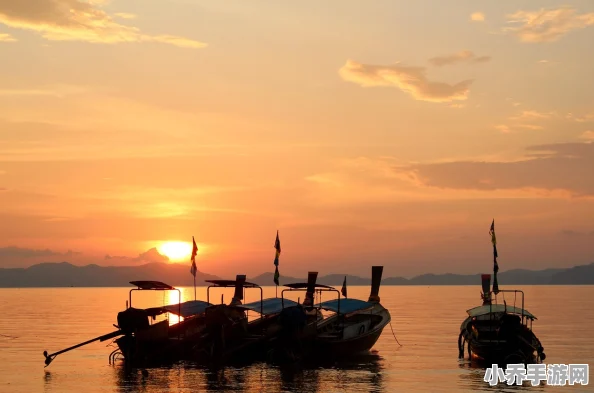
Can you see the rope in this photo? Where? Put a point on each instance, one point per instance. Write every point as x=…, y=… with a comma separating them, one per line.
x=394, y=334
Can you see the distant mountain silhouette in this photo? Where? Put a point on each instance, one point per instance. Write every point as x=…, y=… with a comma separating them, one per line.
x=331, y=279
x=67, y=275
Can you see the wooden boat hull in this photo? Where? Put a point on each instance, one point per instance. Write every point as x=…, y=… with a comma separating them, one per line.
x=351, y=347
x=490, y=346
x=330, y=339
x=502, y=354
x=212, y=339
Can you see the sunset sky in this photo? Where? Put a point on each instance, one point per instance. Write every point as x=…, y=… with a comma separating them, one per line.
x=386, y=132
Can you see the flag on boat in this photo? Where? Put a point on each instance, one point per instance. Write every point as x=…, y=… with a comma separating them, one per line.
x=495, y=265
x=277, y=246
x=344, y=289
x=194, y=269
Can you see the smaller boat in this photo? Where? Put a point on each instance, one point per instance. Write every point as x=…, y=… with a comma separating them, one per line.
x=499, y=333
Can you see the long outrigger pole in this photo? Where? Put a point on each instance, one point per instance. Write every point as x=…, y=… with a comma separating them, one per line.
x=51, y=357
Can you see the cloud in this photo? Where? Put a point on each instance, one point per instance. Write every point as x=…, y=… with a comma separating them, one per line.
x=58, y=91
x=547, y=25
x=586, y=118
x=21, y=257
x=464, y=56
x=149, y=256
x=588, y=135
x=573, y=233
x=410, y=79
x=76, y=20
x=4, y=37
x=524, y=115
x=506, y=129
x=503, y=128
x=525, y=120
x=556, y=167
x=18, y=252
x=477, y=17
x=125, y=15
x=530, y=126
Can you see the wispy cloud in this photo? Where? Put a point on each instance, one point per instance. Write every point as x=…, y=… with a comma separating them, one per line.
x=584, y=118
x=525, y=121
x=4, y=37
x=76, y=20
x=556, y=167
x=150, y=256
x=12, y=256
x=477, y=17
x=530, y=126
x=18, y=252
x=465, y=56
x=58, y=91
x=502, y=128
x=589, y=135
x=125, y=15
x=532, y=115
x=547, y=25
x=410, y=79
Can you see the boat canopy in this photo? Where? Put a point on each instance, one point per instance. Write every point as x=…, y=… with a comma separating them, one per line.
x=154, y=285
x=300, y=285
x=496, y=308
x=269, y=306
x=346, y=305
x=231, y=283
x=187, y=309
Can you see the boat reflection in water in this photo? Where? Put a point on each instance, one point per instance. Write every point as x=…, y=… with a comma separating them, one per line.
x=362, y=373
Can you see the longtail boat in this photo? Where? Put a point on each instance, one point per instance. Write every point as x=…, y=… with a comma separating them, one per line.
x=139, y=340
x=206, y=332
x=352, y=327
x=498, y=333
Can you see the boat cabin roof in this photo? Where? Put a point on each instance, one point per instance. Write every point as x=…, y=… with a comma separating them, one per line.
x=185, y=309
x=300, y=285
x=231, y=283
x=154, y=285
x=497, y=308
x=270, y=306
x=347, y=306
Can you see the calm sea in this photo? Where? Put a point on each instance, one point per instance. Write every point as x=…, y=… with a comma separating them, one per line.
x=425, y=320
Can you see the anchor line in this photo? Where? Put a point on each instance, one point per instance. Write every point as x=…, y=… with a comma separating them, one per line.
x=394, y=334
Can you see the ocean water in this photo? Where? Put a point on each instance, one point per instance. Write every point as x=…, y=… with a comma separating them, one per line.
x=425, y=320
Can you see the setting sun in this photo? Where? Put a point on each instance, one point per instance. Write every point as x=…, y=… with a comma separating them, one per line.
x=176, y=251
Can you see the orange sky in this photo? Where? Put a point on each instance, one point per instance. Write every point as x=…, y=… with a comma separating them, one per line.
x=389, y=132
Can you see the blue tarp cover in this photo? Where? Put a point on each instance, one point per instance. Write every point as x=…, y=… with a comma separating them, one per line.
x=270, y=306
x=189, y=308
x=494, y=308
x=346, y=305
